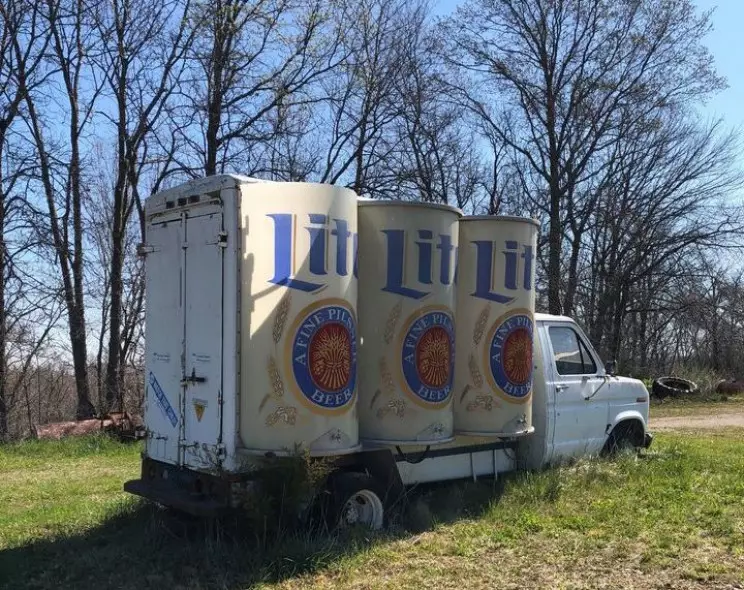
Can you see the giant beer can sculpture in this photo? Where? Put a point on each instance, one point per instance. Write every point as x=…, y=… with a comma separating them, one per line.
x=495, y=320
x=407, y=254
x=299, y=327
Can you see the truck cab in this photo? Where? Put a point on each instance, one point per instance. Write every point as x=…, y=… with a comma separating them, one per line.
x=579, y=407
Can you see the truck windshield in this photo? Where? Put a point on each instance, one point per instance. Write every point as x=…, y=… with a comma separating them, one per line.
x=570, y=354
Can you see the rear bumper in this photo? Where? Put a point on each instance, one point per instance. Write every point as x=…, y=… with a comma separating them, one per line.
x=196, y=493
x=648, y=438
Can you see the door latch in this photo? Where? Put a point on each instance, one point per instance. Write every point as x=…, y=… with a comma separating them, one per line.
x=193, y=378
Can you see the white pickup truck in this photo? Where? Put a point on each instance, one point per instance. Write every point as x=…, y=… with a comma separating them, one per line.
x=580, y=407
x=251, y=301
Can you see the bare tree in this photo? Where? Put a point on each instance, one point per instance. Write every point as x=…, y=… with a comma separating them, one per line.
x=553, y=78
x=60, y=168
x=18, y=20
x=666, y=201
x=142, y=58
x=357, y=141
x=249, y=59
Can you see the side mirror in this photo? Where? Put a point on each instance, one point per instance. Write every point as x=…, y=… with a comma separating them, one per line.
x=610, y=367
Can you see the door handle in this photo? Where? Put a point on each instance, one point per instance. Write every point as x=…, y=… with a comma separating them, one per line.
x=193, y=378
x=561, y=387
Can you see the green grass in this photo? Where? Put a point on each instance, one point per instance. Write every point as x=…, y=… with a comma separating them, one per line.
x=671, y=518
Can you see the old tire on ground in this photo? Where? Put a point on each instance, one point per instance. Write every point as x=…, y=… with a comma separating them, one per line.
x=354, y=499
x=672, y=387
x=626, y=436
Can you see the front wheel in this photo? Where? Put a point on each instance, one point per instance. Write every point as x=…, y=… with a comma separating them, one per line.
x=355, y=499
x=625, y=437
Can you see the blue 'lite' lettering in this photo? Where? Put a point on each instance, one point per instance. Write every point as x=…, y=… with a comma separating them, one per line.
x=484, y=273
x=283, y=255
x=355, y=247
x=317, y=244
x=424, y=250
x=342, y=237
x=445, y=247
x=528, y=257
x=510, y=266
x=396, y=242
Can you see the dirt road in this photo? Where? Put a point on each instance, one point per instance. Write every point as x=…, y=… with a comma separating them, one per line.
x=710, y=420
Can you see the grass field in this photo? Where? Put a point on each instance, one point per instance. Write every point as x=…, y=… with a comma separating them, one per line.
x=673, y=518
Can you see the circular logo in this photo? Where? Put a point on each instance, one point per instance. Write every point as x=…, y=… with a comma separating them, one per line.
x=510, y=355
x=324, y=354
x=428, y=356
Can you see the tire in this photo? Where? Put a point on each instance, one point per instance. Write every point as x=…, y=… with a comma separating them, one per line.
x=625, y=437
x=354, y=499
x=673, y=387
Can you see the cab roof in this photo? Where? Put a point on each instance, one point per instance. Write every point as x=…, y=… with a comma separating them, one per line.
x=548, y=317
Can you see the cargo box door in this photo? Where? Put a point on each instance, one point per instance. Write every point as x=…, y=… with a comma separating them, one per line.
x=202, y=380
x=164, y=342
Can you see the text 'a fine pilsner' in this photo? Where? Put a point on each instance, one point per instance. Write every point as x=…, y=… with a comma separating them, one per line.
x=406, y=301
x=495, y=323
x=299, y=337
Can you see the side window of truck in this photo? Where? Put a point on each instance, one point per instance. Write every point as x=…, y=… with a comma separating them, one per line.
x=570, y=354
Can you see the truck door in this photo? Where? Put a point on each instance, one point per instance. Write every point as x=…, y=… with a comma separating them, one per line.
x=201, y=381
x=579, y=408
x=163, y=345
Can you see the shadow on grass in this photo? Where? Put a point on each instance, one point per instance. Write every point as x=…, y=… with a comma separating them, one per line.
x=145, y=546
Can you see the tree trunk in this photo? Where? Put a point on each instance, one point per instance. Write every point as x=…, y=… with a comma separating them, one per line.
x=215, y=95
x=3, y=376
x=114, y=346
x=573, y=279
x=554, y=251
x=78, y=336
x=113, y=385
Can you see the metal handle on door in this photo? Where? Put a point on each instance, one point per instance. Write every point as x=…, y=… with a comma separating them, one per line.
x=193, y=378
x=561, y=387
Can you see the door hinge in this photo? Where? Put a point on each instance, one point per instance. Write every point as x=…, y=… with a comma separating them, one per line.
x=222, y=239
x=144, y=249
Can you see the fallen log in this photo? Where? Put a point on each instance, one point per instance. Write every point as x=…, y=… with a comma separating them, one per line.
x=116, y=422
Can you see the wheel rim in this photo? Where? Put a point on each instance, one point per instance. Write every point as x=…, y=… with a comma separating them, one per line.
x=363, y=508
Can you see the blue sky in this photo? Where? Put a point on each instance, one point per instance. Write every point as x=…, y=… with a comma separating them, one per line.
x=726, y=43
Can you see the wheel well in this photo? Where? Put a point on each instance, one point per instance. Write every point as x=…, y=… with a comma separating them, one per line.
x=380, y=465
x=630, y=429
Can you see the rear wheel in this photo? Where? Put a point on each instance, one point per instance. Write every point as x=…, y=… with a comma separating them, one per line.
x=355, y=499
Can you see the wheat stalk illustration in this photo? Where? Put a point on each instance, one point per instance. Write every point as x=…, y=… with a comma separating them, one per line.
x=386, y=375
x=475, y=373
x=391, y=322
x=464, y=392
x=280, y=316
x=275, y=377
x=262, y=405
x=480, y=324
